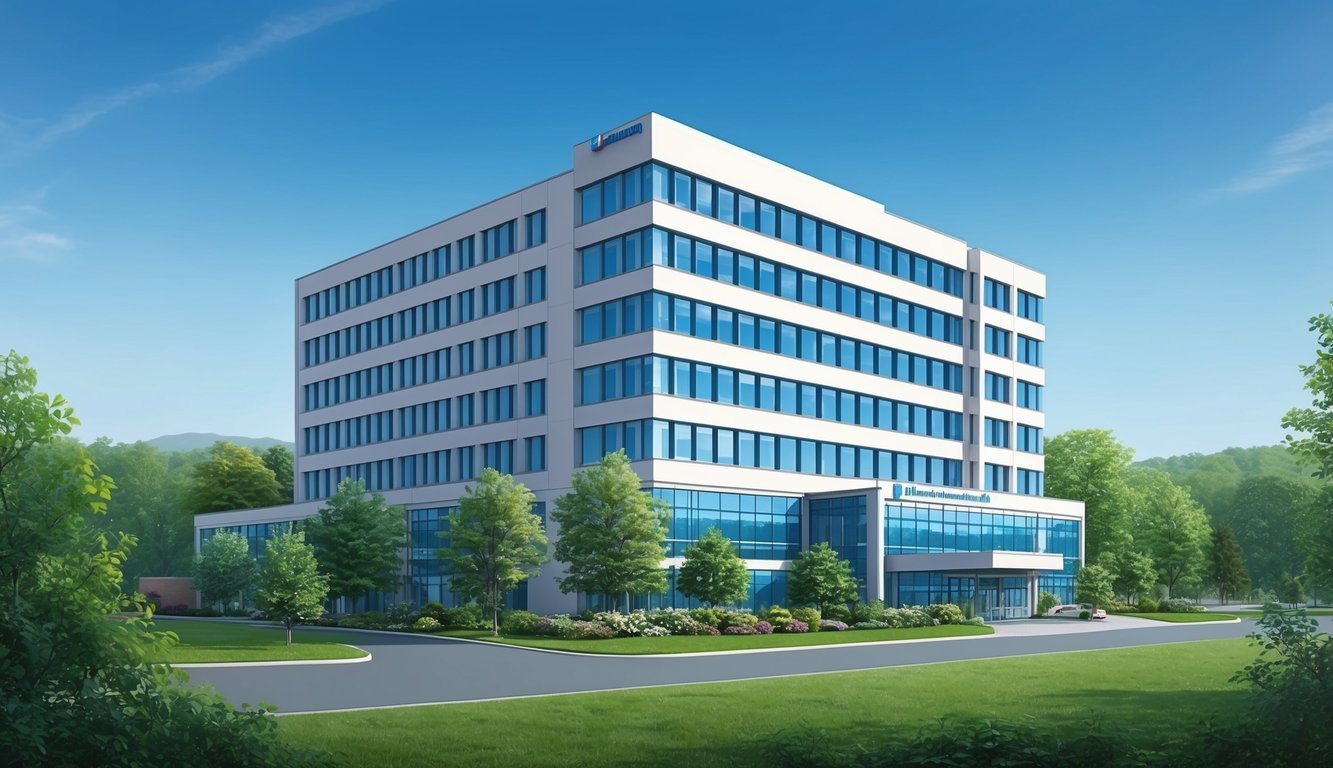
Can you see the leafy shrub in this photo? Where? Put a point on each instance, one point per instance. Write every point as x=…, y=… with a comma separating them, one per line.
x=974, y=621
x=863, y=612
x=590, y=630
x=908, y=617
x=809, y=616
x=435, y=611
x=837, y=612
x=1178, y=605
x=763, y=628
x=679, y=622
x=520, y=623
x=778, y=616
x=366, y=620
x=710, y=616
x=181, y=609
x=836, y=626
x=1085, y=615
x=797, y=626
x=425, y=624
x=555, y=626
x=945, y=613
x=1118, y=607
x=402, y=613
x=736, y=619
x=635, y=624
x=468, y=616
x=1045, y=602
x=1261, y=596
x=871, y=625
x=740, y=630
x=1148, y=605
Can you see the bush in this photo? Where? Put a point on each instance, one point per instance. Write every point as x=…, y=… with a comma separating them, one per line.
x=1117, y=607
x=555, y=626
x=871, y=625
x=1177, y=605
x=367, y=620
x=435, y=611
x=425, y=624
x=908, y=617
x=468, y=616
x=763, y=628
x=797, y=626
x=590, y=630
x=1045, y=602
x=710, y=616
x=777, y=616
x=836, y=626
x=736, y=619
x=739, y=630
x=974, y=621
x=635, y=624
x=679, y=622
x=863, y=612
x=1085, y=615
x=1148, y=605
x=181, y=609
x=809, y=616
x=519, y=623
x=402, y=613
x=837, y=612
x=945, y=613
x=1261, y=596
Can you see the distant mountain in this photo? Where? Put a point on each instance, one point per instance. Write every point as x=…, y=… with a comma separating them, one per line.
x=190, y=441
x=1213, y=478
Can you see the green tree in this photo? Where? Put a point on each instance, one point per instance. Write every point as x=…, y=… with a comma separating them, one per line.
x=712, y=572
x=279, y=459
x=611, y=533
x=1133, y=574
x=147, y=505
x=77, y=688
x=231, y=478
x=291, y=588
x=819, y=577
x=1227, y=566
x=1170, y=526
x=1093, y=585
x=224, y=569
x=1317, y=543
x=493, y=542
x=1290, y=589
x=358, y=539
x=1088, y=465
x=1267, y=514
x=1316, y=422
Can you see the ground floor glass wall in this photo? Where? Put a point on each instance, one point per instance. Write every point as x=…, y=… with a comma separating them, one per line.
x=993, y=597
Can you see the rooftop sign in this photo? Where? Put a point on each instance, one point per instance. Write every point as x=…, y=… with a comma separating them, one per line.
x=602, y=139
x=901, y=491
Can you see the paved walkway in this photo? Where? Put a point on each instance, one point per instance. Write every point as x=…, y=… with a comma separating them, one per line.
x=413, y=669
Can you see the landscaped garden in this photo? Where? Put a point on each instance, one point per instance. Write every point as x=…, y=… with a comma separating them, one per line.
x=227, y=641
x=669, y=630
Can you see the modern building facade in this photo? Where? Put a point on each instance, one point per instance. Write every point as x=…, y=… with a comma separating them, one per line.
x=779, y=357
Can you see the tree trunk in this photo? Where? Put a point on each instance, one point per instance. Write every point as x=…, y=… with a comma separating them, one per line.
x=289, y=633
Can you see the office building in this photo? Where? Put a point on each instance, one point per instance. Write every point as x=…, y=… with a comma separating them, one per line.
x=779, y=357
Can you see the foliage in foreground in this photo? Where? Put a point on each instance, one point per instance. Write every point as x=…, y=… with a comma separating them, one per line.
x=1290, y=707
x=75, y=686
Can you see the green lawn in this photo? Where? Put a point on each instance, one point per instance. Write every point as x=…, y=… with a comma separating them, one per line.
x=1182, y=618
x=217, y=641
x=1308, y=612
x=1159, y=692
x=696, y=644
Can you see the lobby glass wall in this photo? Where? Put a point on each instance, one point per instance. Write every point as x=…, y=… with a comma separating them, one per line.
x=914, y=528
x=766, y=588
x=841, y=521
x=426, y=583
x=761, y=527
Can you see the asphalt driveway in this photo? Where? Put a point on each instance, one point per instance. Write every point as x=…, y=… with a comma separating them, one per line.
x=413, y=669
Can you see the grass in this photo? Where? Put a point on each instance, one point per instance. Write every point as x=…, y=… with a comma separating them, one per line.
x=1160, y=692
x=1183, y=618
x=221, y=641
x=1308, y=612
x=697, y=644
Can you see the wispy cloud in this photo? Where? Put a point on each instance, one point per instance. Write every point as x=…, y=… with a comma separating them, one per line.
x=1305, y=149
x=23, y=238
x=26, y=135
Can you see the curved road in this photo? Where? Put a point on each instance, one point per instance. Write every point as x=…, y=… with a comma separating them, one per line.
x=413, y=669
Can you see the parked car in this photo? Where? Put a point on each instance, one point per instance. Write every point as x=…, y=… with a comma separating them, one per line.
x=1099, y=614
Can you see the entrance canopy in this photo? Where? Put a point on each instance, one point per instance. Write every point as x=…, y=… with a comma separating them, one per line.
x=994, y=560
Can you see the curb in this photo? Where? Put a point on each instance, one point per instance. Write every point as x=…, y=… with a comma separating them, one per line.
x=285, y=663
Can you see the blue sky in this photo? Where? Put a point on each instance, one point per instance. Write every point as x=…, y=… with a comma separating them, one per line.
x=167, y=169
